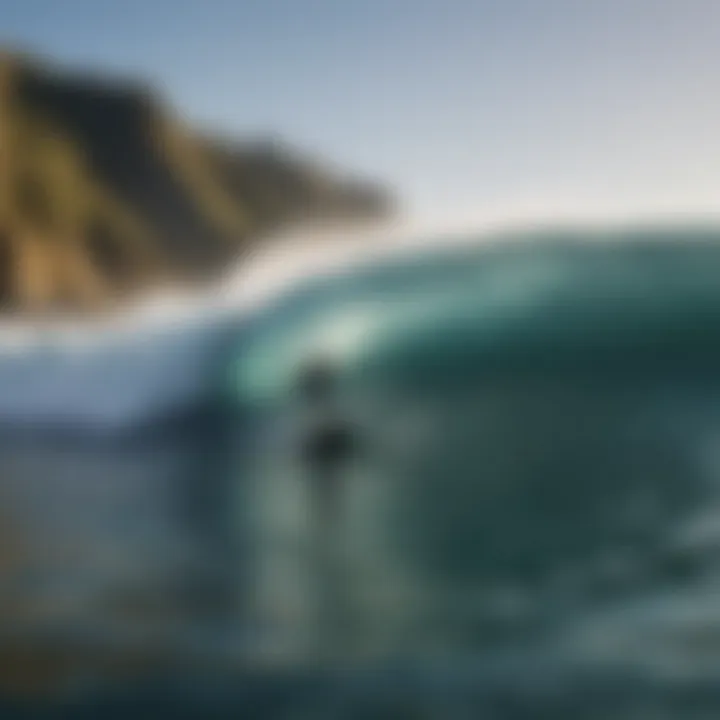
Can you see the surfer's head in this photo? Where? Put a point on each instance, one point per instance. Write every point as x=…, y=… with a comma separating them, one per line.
x=317, y=380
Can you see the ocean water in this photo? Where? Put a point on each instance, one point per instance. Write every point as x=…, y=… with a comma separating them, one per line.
x=531, y=528
x=514, y=547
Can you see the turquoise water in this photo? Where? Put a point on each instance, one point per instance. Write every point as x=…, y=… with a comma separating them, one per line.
x=500, y=388
x=463, y=311
x=539, y=490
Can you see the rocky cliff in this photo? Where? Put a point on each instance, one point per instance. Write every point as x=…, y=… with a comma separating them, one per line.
x=105, y=191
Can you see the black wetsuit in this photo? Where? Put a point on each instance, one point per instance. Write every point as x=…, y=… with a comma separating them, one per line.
x=326, y=450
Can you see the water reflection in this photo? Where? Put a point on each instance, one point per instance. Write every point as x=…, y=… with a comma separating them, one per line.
x=490, y=536
x=499, y=510
x=116, y=541
x=524, y=541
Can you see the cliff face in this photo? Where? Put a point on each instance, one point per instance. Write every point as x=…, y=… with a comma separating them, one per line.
x=103, y=191
x=280, y=187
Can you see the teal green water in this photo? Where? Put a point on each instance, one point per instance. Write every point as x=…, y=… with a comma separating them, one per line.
x=524, y=475
x=482, y=308
x=538, y=412
x=527, y=484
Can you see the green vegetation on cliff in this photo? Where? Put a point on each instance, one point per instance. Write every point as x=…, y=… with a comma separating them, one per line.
x=104, y=191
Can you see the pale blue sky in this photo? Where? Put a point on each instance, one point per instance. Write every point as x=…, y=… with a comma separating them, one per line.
x=466, y=106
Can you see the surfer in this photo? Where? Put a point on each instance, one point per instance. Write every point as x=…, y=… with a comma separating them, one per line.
x=327, y=447
x=328, y=441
